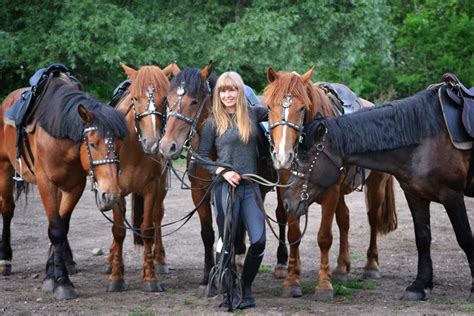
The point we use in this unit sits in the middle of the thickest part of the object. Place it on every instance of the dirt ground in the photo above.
(21, 292)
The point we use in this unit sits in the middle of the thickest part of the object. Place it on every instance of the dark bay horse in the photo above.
(142, 173)
(190, 103)
(293, 101)
(73, 135)
(406, 138)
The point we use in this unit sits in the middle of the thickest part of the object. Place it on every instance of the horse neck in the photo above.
(320, 103)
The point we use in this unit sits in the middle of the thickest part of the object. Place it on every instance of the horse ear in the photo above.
(307, 76)
(131, 73)
(171, 69)
(206, 72)
(85, 115)
(272, 75)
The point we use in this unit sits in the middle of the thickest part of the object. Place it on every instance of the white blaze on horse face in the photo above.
(281, 153)
(152, 108)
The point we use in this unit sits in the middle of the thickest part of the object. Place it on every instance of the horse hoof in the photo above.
(64, 292)
(72, 269)
(281, 271)
(5, 267)
(152, 286)
(413, 296)
(203, 291)
(162, 269)
(292, 291)
(323, 295)
(471, 298)
(371, 274)
(107, 269)
(48, 285)
(117, 286)
(340, 277)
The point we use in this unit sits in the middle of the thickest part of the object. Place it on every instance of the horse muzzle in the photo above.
(170, 150)
(105, 200)
(150, 147)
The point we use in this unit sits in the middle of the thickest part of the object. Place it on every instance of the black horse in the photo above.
(407, 138)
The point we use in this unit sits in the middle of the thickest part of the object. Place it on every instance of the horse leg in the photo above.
(207, 231)
(281, 268)
(420, 212)
(151, 283)
(115, 261)
(324, 289)
(7, 209)
(158, 212)
(343, 260)
(58, 217)
(457, 215)
(291, 284)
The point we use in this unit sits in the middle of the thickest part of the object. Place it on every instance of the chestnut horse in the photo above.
(409, 139)
(190, 103)
(142, 173)
(293, 101)
(74, 135)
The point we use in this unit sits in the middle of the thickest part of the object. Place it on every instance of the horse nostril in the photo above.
(173, 148)
(285, 205)
(290, 157)
(105, 197)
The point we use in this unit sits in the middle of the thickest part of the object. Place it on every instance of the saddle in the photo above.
(119, 92)
(458, 96)
(346, 101)
(20, 113)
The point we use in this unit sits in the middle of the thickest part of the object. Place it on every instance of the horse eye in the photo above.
(93, 146)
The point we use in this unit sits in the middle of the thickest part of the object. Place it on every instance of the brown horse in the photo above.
(142, 173)
(294, 101)
(409, 139)
(73, 135)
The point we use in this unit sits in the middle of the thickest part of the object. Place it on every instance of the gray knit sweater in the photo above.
(230, 149)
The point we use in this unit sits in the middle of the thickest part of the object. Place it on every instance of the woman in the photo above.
(232, 129)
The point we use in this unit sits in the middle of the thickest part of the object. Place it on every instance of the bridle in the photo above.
(286, 104)
(150, 110)
(94, 163)
(320, 149)
(181, 92)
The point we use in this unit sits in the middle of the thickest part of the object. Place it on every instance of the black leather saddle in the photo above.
(119, 92)
(348, 101)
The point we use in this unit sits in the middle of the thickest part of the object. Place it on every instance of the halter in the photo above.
(94, 163)
(286, 104)
(150, 110)
(320, 149)
(181, 92)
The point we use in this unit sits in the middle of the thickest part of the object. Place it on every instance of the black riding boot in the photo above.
(249, 271)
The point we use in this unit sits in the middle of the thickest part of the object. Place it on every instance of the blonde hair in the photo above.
(231, 80)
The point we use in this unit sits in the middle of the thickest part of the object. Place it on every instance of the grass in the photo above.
(264, 269)
(357, 256)
(171, 290)
(346, 288)
(187, 302)
(302, 306)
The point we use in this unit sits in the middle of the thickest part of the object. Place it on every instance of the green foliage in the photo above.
(381, 49)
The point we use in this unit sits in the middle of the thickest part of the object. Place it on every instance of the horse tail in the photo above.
(137, 217)
(387, 221)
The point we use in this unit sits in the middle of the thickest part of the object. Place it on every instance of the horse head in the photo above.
(99, 155)
(145, 104)
(289, 101)
(189, 99)
(317, 168)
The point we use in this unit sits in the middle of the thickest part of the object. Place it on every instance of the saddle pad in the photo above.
(452, 114)
(15, 115)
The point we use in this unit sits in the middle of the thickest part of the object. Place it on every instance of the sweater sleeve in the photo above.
(207, 138)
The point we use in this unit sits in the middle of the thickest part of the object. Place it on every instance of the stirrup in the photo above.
(19, 176)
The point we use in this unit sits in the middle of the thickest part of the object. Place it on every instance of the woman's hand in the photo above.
(232, 177)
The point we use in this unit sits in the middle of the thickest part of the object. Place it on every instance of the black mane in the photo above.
(389, 126)
(57, 112)
(193, 84)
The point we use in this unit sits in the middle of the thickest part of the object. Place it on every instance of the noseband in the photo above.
(94, 163)
(286, 104)
(320, 149)
(150, 110)
(181, 92)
